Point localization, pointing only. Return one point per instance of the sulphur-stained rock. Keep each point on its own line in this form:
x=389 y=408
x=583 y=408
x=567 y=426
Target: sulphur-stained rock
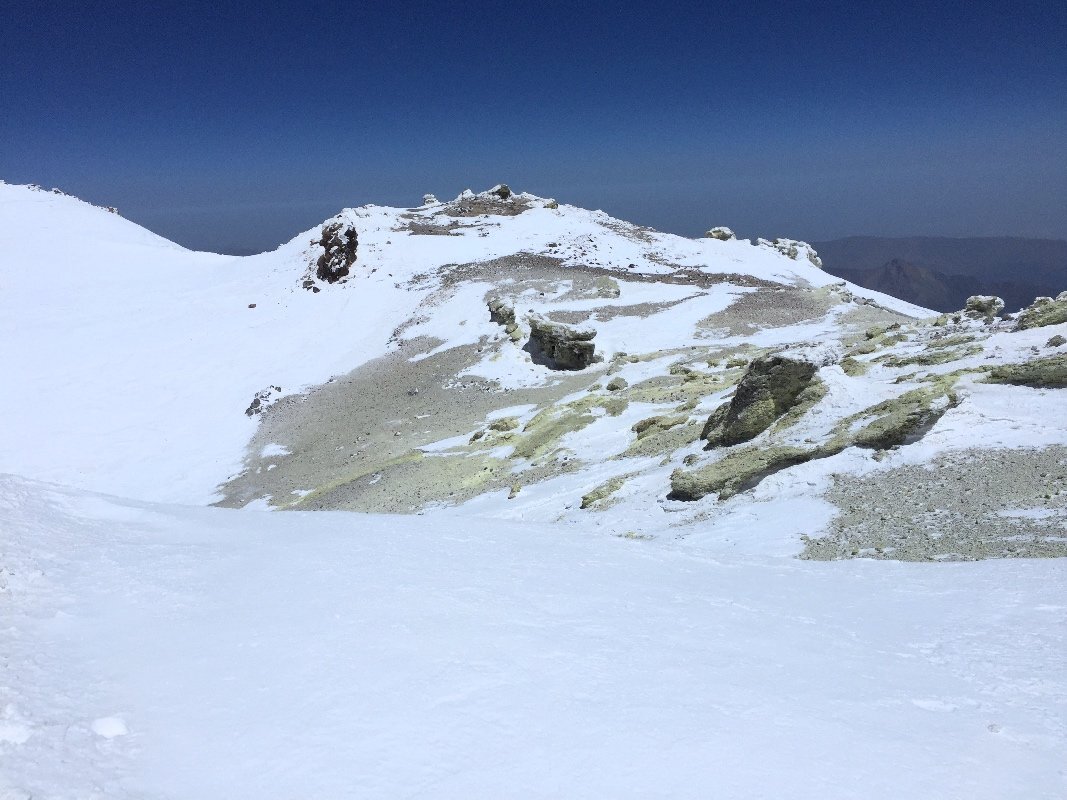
x=560 y=346
x=339 y=241
x=1043 y=311
x=981 y=305
x=769 y=388
x=1041 y=373
x=502 y=313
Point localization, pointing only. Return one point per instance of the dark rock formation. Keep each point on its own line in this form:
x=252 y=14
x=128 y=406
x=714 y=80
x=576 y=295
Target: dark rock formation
x=560 y=346
x=263 y=400
x=338 y=243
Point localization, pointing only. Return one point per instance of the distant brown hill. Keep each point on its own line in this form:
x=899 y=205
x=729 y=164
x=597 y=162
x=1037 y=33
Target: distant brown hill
x=941 y=273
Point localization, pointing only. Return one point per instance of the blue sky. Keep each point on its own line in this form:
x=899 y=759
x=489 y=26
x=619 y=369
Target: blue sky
x=236 y=125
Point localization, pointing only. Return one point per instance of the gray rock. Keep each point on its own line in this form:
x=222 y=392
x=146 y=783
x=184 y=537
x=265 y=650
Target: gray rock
x=560 y=346
x=981 y=305
x=722 y=233
x=503 y=314
x=1056 y=341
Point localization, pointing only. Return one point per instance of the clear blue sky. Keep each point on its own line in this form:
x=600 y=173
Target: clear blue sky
x=236 y=125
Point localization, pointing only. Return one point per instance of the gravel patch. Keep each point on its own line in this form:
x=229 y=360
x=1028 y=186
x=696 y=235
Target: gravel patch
x=966 y=506
x=352 y=443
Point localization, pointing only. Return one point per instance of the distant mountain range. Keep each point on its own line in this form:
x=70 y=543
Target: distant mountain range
x=941 y=273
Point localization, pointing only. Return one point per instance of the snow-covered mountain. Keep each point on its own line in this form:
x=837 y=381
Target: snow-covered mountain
x=608 y=445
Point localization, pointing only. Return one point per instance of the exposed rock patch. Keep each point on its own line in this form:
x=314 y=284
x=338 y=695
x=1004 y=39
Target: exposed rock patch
x=560 y=346
x=794 y=249
x=498 y=201
x=262 y=400
x=503 y=313
x=1041 y=373
x=968 y=506
x=1043 y=311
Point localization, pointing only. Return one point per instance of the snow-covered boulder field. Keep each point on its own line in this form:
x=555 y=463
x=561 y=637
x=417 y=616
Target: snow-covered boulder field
x=628 y=515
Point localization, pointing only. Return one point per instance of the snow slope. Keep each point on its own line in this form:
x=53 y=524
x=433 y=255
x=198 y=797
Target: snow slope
x=173 y=652
x=131 y=360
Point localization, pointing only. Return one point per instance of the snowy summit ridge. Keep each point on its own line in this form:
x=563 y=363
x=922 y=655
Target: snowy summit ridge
x=608 y=456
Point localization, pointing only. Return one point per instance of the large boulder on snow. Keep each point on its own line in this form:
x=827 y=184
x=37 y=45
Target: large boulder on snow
x=560 y=346
x=339 y=241
x=770 y=387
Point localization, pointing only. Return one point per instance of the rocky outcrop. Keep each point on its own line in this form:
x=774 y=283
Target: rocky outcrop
x=983 y=305
x=794 y=249
x=722 y=233
x=498 y=201
x=339 y=241
x=503 y=314
x=560 y=346
x=1056 y=341
x=770 y=387
x=1043 y=311
x=262 y=400
x=1041 y=373
x=738 y=471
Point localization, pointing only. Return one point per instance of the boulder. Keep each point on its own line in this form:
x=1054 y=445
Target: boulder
x=769 y=388
x=983 y=305
x=1043 y=311
x=560 y=346
x=1056 y=341
x=338 y=243
x=722 y=233
x=429 y=200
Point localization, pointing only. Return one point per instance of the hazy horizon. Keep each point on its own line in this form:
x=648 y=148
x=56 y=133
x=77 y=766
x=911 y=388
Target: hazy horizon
x=236 y=128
